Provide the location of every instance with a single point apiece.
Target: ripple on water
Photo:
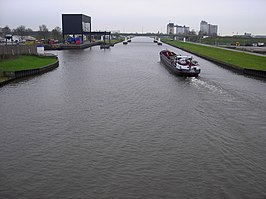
(118, 124)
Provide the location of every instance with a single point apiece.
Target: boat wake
(202, 84)
(206, 87)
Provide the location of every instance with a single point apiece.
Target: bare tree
(192, 32)
(57, 33)
(21, 31)
(6, 30)
(29, 31)
(43, 30)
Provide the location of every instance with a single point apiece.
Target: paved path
(235, 50)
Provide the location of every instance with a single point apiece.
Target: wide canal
(117, 124)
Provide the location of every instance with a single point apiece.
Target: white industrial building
(176, 29)
(171, 28)
(182, 30)
(208, 29)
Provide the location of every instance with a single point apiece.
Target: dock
(80, 46)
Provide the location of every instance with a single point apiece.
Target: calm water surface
(117, 124)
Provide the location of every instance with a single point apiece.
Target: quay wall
(81, 46)
(13, 75)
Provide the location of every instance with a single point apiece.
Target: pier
(80, 46)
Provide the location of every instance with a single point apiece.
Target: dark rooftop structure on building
(79, 24)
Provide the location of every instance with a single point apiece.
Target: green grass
(25, 62)
(231, 40)
(114, 41)
(235, 59)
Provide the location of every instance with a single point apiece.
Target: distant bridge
(139, 34)
(145, 34)
(180, 36)
(156, 35)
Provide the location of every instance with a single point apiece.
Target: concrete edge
(27, 73)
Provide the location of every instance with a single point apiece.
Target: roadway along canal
(117, 124)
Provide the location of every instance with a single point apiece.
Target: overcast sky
(231, 16)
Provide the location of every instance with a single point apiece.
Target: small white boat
(159, 42)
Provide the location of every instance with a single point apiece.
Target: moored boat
(180, 65)
(159, 42)
(125, 41)
(104, 46)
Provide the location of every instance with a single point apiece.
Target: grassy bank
(231, 41)
(25, 62)
(234, 59)
(115, 41)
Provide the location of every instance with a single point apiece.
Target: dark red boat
(180, 65)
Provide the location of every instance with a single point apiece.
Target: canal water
(117, 124)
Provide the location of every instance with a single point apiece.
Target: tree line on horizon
(43, 32)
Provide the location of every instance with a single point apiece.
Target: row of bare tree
(42, 33)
